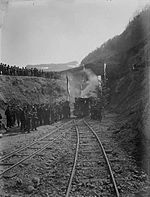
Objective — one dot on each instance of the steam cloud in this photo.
(90, 85)
(82, 84)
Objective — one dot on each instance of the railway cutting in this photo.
(69, 129)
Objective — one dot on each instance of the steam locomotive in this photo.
(88, 107)
(81, 107)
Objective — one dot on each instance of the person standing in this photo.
(34, 118)
(28, 117)
(3, 129)
(18, 114)
(8, 116)
(22, 118)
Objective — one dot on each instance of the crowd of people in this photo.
(29, 117)
(17, 71)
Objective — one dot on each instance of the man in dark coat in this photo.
(22, 119)
(8, 116)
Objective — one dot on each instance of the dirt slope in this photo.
(23, 89)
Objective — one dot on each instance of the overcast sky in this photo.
(54, 31)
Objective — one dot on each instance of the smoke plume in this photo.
(90, 84)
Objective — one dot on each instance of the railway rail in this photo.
(88, 145)
(47, 139)
(89, 168)
(2, 158)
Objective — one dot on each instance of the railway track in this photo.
(35, 148)
(88, 170)
(91, 173)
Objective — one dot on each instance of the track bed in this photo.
(64, 170)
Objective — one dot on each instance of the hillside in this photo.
(23, 89)
(121, 51)
(127, 58)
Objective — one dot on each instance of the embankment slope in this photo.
(24, 89)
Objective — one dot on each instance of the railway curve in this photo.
(88, 144)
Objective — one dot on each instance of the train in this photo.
(81, 107)
(88, 107)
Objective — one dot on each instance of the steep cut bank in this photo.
(22, 89)
(127, 58)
